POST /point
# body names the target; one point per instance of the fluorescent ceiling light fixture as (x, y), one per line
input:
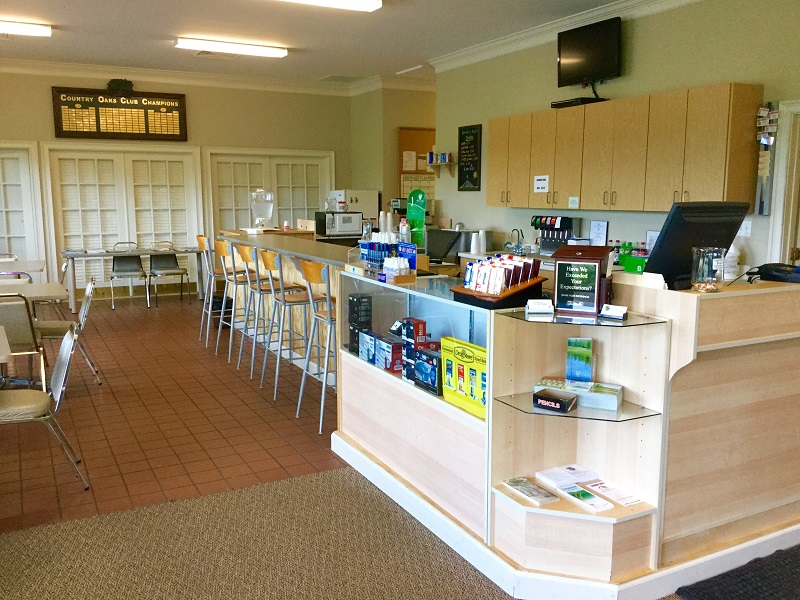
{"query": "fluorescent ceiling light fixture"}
(17, 28)
(231, 47)
(362, 5)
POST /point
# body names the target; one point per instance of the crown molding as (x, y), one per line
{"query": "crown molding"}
(543, 34)
(171, 77)
(391, 83)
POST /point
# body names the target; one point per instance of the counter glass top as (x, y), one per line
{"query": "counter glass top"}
(437, 287)
(633, 320)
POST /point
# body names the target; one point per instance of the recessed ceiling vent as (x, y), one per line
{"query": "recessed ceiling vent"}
(219, 55)
(341, 79)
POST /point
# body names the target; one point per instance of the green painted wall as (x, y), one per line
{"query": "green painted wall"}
(711, 41)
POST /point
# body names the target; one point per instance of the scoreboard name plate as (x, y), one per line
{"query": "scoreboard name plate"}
(101, 114)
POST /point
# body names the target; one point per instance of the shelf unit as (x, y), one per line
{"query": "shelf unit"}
(624, 446)
(436, 167)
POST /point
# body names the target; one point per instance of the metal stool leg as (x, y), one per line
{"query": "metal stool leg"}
(221, 316)
(309, 348)
(331, 332)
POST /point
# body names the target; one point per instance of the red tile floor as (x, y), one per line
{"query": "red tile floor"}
(171, 420)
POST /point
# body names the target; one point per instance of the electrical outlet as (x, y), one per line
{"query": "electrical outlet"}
(745, 229)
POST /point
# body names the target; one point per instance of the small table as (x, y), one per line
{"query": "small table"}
(25, 266)
(36, 292)
(71, 255)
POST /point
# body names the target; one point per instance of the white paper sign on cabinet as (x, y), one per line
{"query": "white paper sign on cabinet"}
(541, 183)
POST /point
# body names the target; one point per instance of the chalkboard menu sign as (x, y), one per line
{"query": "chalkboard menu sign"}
(469, 158)
(104, 114)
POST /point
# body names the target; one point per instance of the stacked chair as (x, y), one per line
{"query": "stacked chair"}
(24, 406)
(57, 329)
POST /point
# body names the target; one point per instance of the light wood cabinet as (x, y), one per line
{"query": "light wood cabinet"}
(666, 144)
(633, 154)
(509, 161)
(718, 159)
(614, 155)
(543, 156)
(568, 156)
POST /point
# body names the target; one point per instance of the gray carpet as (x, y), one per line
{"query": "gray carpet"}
(328, 535)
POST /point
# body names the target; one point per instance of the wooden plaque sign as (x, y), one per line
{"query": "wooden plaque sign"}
(103, 114)
(469, 158)
(581, 285)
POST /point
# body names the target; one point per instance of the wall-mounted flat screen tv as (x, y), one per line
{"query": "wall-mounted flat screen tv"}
(590, 53)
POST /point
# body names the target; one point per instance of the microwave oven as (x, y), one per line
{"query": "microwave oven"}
(338, 223)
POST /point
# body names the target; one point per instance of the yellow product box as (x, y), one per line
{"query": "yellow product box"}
(464, 375)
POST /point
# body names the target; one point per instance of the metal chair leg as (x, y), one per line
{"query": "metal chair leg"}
(69, 453)
(247, 300)
(221, 317)
(309, 348)
(212, 284)
(325, 373)
(280, 350)
(233, 320)
(111, 281)
(89, 361)
(268, 341)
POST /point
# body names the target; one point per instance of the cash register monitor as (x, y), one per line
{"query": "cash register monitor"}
(439, 244)
(689, 225)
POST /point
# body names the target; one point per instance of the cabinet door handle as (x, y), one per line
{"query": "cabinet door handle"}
(548, 197)
(555, 197)
(605, 198)
(686, 196)
(508, 197)
(613, 198)
(502, 197)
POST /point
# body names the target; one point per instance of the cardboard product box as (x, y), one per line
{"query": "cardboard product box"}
(409, 373)
(413, 330)
(465, 383)
(366, 346)
(409, 350)
(555, 400)
(591, 394)
(428, 371)
(353, 343)
(429, 345)
(360, 310)
(388, 353)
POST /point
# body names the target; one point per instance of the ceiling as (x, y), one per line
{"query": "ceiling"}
(322, 42)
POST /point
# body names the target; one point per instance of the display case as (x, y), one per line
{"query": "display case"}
(439, 448)
(623, 446)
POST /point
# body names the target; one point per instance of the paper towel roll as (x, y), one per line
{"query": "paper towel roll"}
(482, 241)
(475, 244)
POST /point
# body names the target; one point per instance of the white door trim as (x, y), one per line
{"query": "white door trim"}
(787, 111)
(43, 222)
(47, 148)
(207, 152)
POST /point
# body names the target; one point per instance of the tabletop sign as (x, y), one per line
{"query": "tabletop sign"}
(101, 114)
(581, 285)
(469, 158)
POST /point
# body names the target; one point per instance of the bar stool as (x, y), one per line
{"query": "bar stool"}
(234, 279)
(317, 273)
(283, 296)
(210, 278)
(259, 287)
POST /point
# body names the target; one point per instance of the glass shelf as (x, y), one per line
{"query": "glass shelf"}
(626, 412)
(633, 320)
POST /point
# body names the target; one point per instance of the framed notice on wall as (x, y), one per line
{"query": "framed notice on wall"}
(104, 114)
(469, 158)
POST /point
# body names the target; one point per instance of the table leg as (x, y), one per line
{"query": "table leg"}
(73, 304)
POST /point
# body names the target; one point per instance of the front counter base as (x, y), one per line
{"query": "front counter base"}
(534, 585)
